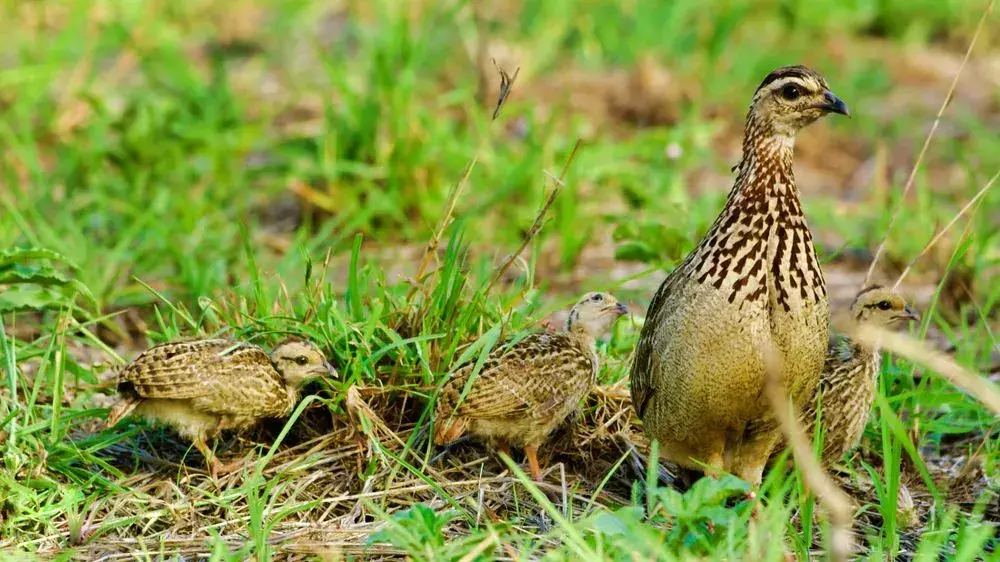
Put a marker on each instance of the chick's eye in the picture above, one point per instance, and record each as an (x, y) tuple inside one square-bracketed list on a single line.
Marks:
[(884, 305), (301, 360), (597, 298), (791, 92)]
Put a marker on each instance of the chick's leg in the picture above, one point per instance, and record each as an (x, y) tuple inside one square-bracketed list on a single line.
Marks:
[(531, 451), (503, 446), (215, 466), (206, 451), (751, 460)]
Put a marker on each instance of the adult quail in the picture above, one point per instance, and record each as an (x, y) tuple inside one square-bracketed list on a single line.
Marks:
[(526, 388), (752, 284), (200, 387)]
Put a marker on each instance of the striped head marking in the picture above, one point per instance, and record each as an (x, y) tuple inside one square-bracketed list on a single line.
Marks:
[(299, 360), (792, 97), (594, 313), (881, 306)]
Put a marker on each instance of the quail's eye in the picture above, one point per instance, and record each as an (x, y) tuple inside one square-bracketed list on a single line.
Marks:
[(791, 92), (597, 298), (884, 305), (301, 360)]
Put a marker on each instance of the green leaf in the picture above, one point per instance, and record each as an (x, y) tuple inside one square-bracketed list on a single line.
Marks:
[(28, 297), (15, 255), (15, 274)]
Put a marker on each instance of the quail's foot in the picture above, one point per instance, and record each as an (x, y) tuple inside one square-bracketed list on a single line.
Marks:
[(531, 451), (219, 468)]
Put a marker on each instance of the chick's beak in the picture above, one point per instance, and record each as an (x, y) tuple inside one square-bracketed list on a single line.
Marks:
[(329, 369), (910, 313), (621, 309), (833, 104)]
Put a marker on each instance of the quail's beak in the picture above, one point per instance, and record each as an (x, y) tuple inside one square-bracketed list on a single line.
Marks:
[(909, 313), (330, 371), (833, 104), (620, 309)]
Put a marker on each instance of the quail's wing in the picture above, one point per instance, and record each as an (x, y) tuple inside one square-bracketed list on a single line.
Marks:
[(248, 386), (841, 350), (527, 379), (180, 370), (641, 375)]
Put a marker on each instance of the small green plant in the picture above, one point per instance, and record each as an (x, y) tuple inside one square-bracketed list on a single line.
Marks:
[(418, 529), (706, 517), (30, 279)]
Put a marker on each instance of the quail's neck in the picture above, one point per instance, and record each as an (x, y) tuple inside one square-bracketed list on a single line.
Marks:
[(582, 335), (866, 346), (767, 159), (292, 394)]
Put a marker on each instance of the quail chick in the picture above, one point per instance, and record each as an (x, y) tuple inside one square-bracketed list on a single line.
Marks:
[(200, 387), (527, 388), (753, 283), (850, 375)]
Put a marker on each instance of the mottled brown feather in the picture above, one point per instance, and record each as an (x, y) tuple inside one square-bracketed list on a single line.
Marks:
[(202, 386), (219, 376), (538, 382), (526, 388), (850, 376)]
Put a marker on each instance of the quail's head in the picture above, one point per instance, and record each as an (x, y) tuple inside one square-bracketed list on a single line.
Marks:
[(792, 97), (595, 313), (881, 306), (299, 360)]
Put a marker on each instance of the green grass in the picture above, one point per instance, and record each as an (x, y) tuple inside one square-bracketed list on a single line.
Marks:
[(174, 170)]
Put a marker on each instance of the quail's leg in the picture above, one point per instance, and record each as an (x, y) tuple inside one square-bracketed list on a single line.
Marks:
[(223, 423), (503, 446), (215, 466), (206, 451), (715, 464), (751, 460), (531, 451)]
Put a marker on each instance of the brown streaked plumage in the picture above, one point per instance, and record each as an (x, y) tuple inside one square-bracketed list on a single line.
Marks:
[(752, 283), (850, 375), (527, 388), (200, 387)]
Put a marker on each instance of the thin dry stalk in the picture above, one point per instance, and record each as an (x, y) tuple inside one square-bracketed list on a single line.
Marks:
[(927, 140), (944, 230), (827, 492), (916, 351), (435, 242), (536, 227), (491, 540), (358, 407), (506, 87)]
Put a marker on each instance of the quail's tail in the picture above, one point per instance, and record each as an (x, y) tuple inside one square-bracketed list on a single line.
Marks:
[(122, 408), (449, 429)]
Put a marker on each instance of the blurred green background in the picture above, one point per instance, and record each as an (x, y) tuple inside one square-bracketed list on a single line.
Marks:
[(138, 135)]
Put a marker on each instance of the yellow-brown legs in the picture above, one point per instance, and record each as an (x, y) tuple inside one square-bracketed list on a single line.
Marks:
[(215, 466), (531, 451), (503, 446), (715, 465)]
